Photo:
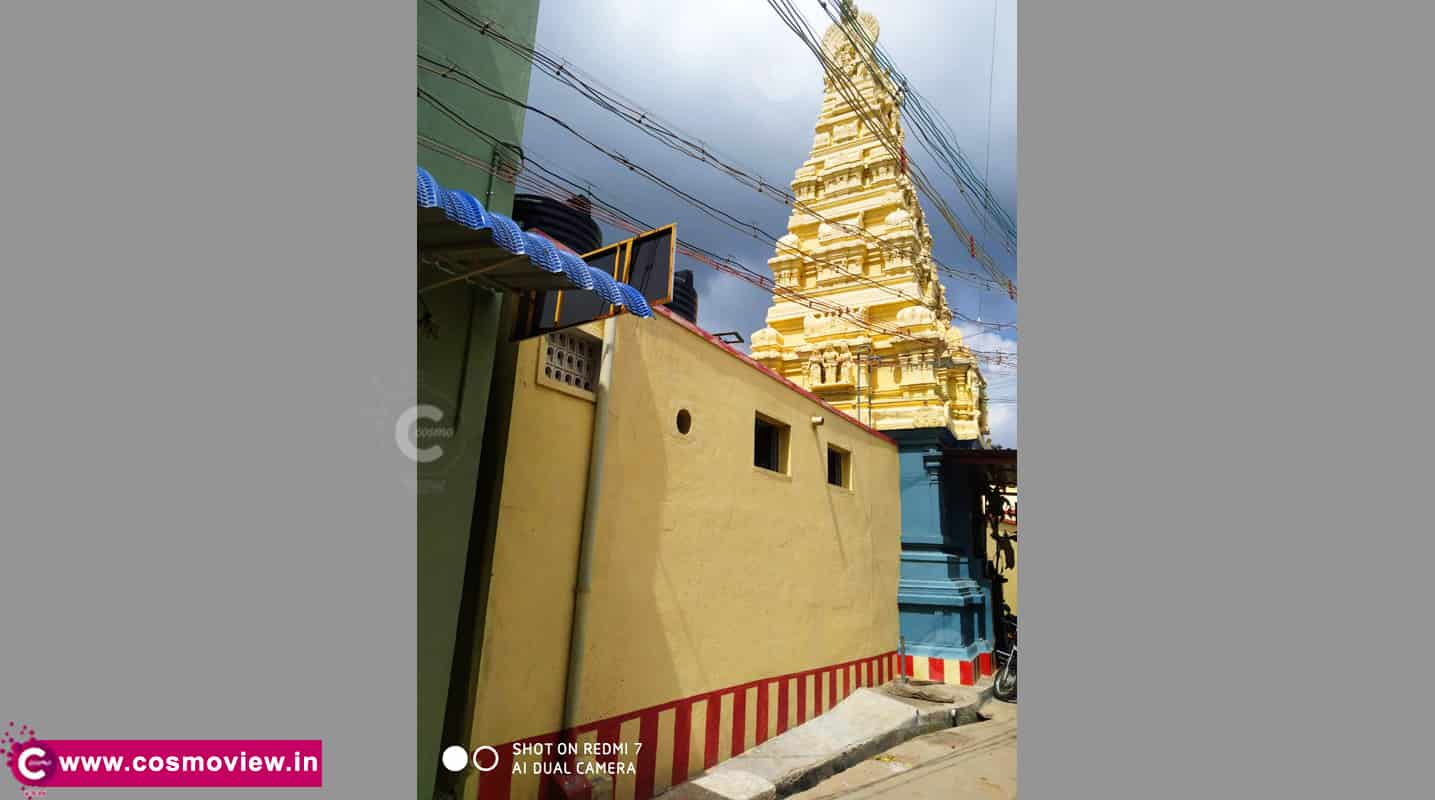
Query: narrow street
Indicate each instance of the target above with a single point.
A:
(970, 761)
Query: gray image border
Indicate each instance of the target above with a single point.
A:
(205, 327)
(1222, 206)
(206, 323)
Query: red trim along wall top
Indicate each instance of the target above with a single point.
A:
(748, 360)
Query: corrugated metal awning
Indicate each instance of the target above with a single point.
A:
(455, 227)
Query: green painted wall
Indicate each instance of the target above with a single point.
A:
(467, 320)
(456, 369)
(442, 37)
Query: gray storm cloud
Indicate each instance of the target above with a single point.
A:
(734, 75)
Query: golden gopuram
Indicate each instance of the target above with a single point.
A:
(858, 240)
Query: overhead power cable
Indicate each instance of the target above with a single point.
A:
(842, 82)
(536, 178)
(847, 89)
(933, 130)
(566, 73)
(454, 73)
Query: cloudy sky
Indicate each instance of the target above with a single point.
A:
(733, 74)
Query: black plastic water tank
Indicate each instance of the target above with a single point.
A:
(569, 222)
(685, 296)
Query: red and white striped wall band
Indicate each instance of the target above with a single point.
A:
(673, 741)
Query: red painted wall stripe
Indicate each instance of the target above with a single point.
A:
(831, 689)
(748, 360)
(984, 660)
(498, 781)
(782, 705)
(495, 782)
(910, 668)
(647, 755)
(710, 742)
(846, 682)
(636, 713)
(739, 720)
(682, 727)
(801, 698)
(867, 673)
(936, 669)
(609, 733)
(760, 735)
(547, 786)
(966, 667)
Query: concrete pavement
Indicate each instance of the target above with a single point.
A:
(971, 761)
(866, 724)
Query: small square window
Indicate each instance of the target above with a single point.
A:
(839, 467)
(770, 444)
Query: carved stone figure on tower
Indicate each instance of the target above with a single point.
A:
(931, 293)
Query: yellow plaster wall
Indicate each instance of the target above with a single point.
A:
(711, 571)
(708, 570)
(535, 557)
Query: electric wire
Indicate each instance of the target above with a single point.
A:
(454, 73)
(535, 178)
(840, 81)
(584, 84)
(933, 129)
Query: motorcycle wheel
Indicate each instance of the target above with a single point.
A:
(1004, 683)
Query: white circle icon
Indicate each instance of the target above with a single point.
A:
(490, 767)
(455, 758)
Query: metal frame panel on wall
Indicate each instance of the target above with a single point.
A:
(650, 258)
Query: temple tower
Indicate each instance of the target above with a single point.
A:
(858, 239)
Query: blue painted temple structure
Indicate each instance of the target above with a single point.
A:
(944, 598)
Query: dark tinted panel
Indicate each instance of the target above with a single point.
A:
(580, 306)
(651, 268)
